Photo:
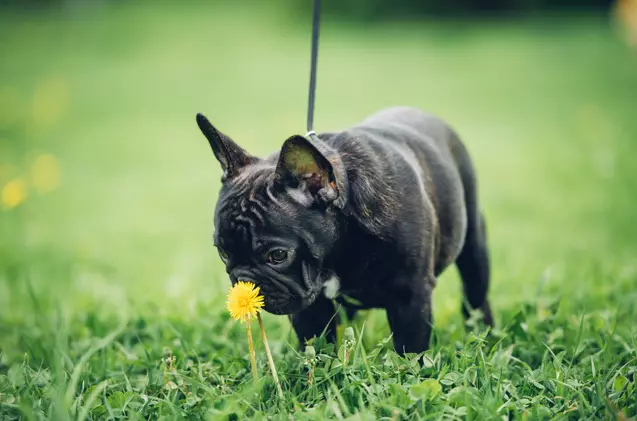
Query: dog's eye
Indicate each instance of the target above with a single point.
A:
(277, 256)
(223, 255)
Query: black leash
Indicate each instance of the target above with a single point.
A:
(312, 94)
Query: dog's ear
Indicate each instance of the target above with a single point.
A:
(230, 155)
(304, 164)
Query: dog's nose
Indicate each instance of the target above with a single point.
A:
(242, 276)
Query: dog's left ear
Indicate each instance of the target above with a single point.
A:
(312, 167)
(230, 155)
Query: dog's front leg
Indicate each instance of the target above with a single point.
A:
(410, 317)
(313, 320)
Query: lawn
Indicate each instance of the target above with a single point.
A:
(112, 295)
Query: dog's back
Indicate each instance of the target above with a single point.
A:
(426, 166)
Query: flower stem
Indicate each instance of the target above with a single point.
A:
(253, 357)
(269, 355)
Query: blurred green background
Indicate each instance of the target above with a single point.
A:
(108, 187)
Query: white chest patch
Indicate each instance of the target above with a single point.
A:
(331, 287)
(298, 195)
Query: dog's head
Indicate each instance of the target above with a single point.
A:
(276, 219)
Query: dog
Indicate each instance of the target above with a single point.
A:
(369, 217)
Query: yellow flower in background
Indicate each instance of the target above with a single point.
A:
(45, 173)
(14, 193)
(244, 301)
(50, 102)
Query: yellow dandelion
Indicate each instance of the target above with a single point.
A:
(244, 301)
(14, 193)
(46, 173)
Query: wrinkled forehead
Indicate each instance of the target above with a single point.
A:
(248, 213)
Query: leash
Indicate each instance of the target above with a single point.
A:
(341, 299)
(312, 91)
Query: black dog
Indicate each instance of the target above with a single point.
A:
(375, 212)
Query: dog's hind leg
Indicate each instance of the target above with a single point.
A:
(473, 260)
(473, 264)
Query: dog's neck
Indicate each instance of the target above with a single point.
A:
(361, 183)
(360, 215)
(347, 263)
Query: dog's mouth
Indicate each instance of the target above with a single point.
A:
(289, 297)
(280, 302)
(279, 305)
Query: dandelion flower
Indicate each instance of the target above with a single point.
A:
(244, 301)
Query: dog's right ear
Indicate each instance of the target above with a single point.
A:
(230, 155)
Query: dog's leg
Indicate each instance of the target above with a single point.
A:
(473, 264)
(351, 313)
(473, 261)
(410, 318)
(313, 320)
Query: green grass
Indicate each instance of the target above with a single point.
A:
(111, 294)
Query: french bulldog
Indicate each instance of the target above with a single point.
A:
(368, 217)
